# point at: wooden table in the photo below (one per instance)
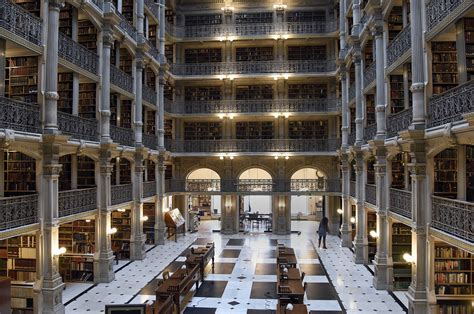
(293, 274)
(297, 309)
(163, 305)
(201, 256)
(292, 289)
(287, 260)
(283, 251)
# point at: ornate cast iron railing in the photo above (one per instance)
(253, 185)
(195, 185)
(310, 28)
(121, 194)
(122, 135)
(154, 52)
(150, 140)
(77, 54)
(371, 194)
(399, 45)
(77, 201)
(352, 186)
(438, 10)
(400, 202)
(18, 211)
(19, 116)
(78, 127)
(254, 106)
(315, 185)
(149, 94)
(127, 27)
(121, 79)
(20, 22)
(451, 105)
(399, 121)
(98, 3)
(369, 74)
(453, 217)
(352, 92)
(149, 188)
(153, 6)
(263, 145)
(370, 132)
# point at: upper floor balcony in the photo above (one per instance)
(399, 49)
(24, 27)
(441, 13)
(453, 217)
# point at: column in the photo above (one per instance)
(361, 254)
(229, 214)
(228, 51)
(160, 194)
(346, 228)
(345, 109)
(138, 98)
(359, 120)
(137, 240)
(74, 172)
(3, 63)
(332, 215)
(281, 218)
(160, 119)
(162, 30)
(380, 81)
(107, 42)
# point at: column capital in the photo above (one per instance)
(52, 169)
(56, 4)
(107, 35)
(417, 169)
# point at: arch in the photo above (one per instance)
(203, 174)
(255, 173)
(308, 173)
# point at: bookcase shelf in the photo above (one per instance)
(121, 239)
(445, 173)
(20, 174)
(77, 267)
(253, 92)
(307, 91)
(169, 15)
(152, 33)
(371, 171)
(444, 66)
(397, 99)
(87, 34)
(150, 169)
(254, 54)
(306, 16)
(126, 62)
(65, 91)
(469, 39)
(401, 243)
(65, 20)
(202, 93)
(395, 22)
(125, 171)
(18, 258)
(203, 19)
(369, 53)
(308, 129)
(168, 129)
(370, 109)
(203, 130)
(255, 130)
(32, 6)
(372, 242)
(168, 91)
(253, 18)
(65, 175)
(149, 225)
(306, 52)
(21, 79)
(85, 172)
(202, 204)
(203, 55)
(113, 108)
(78, 237)
(127, 10)
(169, 53)
(398, 172)
(87, 100)
(469, 173)
(150, 122)
(126, 113)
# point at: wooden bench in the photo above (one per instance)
(201, 256)
(162, 305)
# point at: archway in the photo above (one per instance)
(255, 180)
(204, 180)
(307, 206)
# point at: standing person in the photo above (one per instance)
(322, 231)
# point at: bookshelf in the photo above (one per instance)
(76, 267)
(152, 33)
(87, 100)
(254, 54)
(203, 19)
(169, 15)
(397, 98)
(371, 171)
(168, 129)
(306, 52)
(455, 307)
(202, 55)
(395, 22)
(352, 111)
(20, 174)
(85, 172)
(65, 91)
(169, 53)
(307, 91)
(254, 18)
(121, 239)
(370, 109)
(306, 16)
(444, 66)
(202, 93)
(372, 242)
(150, 169)
(149, 225)
(168, 91)
(18, 258)
(369, 53)
(126, 61)
(78, 237)
(308, 129)
(469, 39)
(125, 171)
(398, 172)
(401, 244)
(21, 79)
(87, 34)
(113, 108)
(253, 92)
(445, 173)
(202, 130)
(66, 173)
(202, 204)
(469, 173)
(126, 114)
(32, 6)
(255, 130)
(150, 122)
(127, 10)
(65, 20)
(410, 94)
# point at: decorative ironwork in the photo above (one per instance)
(400, 202)
(77, 54)
(149, 188)
(310, 28)
(451, 105)
(399, 121)
(197, 185)
(260, 145)
(253, 185)
(18, 211)
(352, 186)
(315, 185)
(153, 6)
(98, 3)
(370, 132)
(352, 92)
(453, 217)
(19, 116)
(78, 127)
(371, 194)
(77, 201)
(254, 106)
(149, 94)
(121, 194)
(370, 74)
(121, 79)
(438, 10)
(399, 45)
(150, 140)
(127, 27)
(122, 135)
(20, 22)
(154, 52)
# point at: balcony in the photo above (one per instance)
(77, 201)
(77, 54)
(398, 122)
(400, 202)
(153, 7)
(122, 135)
(18, 211)
(20, 22)
(127, 27)
(78, 127)
(150, 140)
(371, 194)
(260, 67)
(149, 188)
(352, 187)
(316, 105)
(121, 194)
(352, 92)
(399, 46)
(251, 146)
(453, 217)
(370, 132)
(121, 79)
(98, 3)
(19, 116)
(314, 185)
(370, 74)
(439, 11)
(451, 105)
(149, 95)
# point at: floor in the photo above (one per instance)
(244, 277)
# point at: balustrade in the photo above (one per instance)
(98, 3)
(438, 10)
(77, 201)
(149, 94)
(255, 185)
(153, 7)
(18, 211)
(121, 79)
(351, 138)
(399, 45)
(19, 116)
(126, 26)
(453, 217)
(352, 186)
(202, 185)
(149, 188)
(370, 194)
(370, 132)
(150, 140)
(352, 92)
(77, 54)
(78, 127)
(369, 74)
(122, 135)
(399, 121)
(121, 194)
(400, 202)
(20, 22)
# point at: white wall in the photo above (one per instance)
(216, 203)
(305, 204)
(260, 203)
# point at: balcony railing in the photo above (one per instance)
(398, 122)
(310, 28)
(255, 185)
(254, 106)
(121, 194)
(352, 187)
(399, 45)
(370, 74)
(226, 68)
(352, 138)
(20, 22)
(315, 185)
(127, 27)
(149, 94)
(438, 10)
(150, 140)
(259, 145)
(453, 217)
(451, 105)
(77, 54)
(78, 127)
(77, 201)
(18, 211)
(371, 194)
(149, 188)
(400, 202)
(121, 79)
(19, 116)
(154, 52)
(123, 136)
(153, 6)
(352, 92)
(370, 132)
(98, 3)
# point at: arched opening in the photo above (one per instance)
(255, 180)
(208, 181)
(308, 206)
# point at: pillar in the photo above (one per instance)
(346, 228)
(107, 41)
(160, 119)
(3, 63)
(138, 123)
(159, 205)
(380, 81)
(230, 223)
(332, 215)
(281, 217)
(345, 109)
(138, 238)
(359, 120)
(361, 253)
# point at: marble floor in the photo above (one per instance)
(243, 280)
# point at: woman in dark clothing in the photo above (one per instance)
(322, 231)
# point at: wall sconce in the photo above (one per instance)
(280, 77)
(121, 210)
(280, 36)
(281, 114)
(374, 234)
(112, 231)
(353, 220)
(88, 220)
(228, 9)
(228, 77)
(408, 258)
(145, 218)
(280, 7)
(282, 156)
(339, 211)
(226, 115)
(221, 157)
(59, 251)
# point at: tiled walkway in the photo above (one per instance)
(244, 277)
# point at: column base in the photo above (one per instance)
(160, 236)
(361, 253)
(227, 226)
(53, 296)
(383, 275)
(104, 268)
(137, 248)
(346, 238)
(334, 229)
(417, 301)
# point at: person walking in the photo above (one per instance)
(322, 231)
